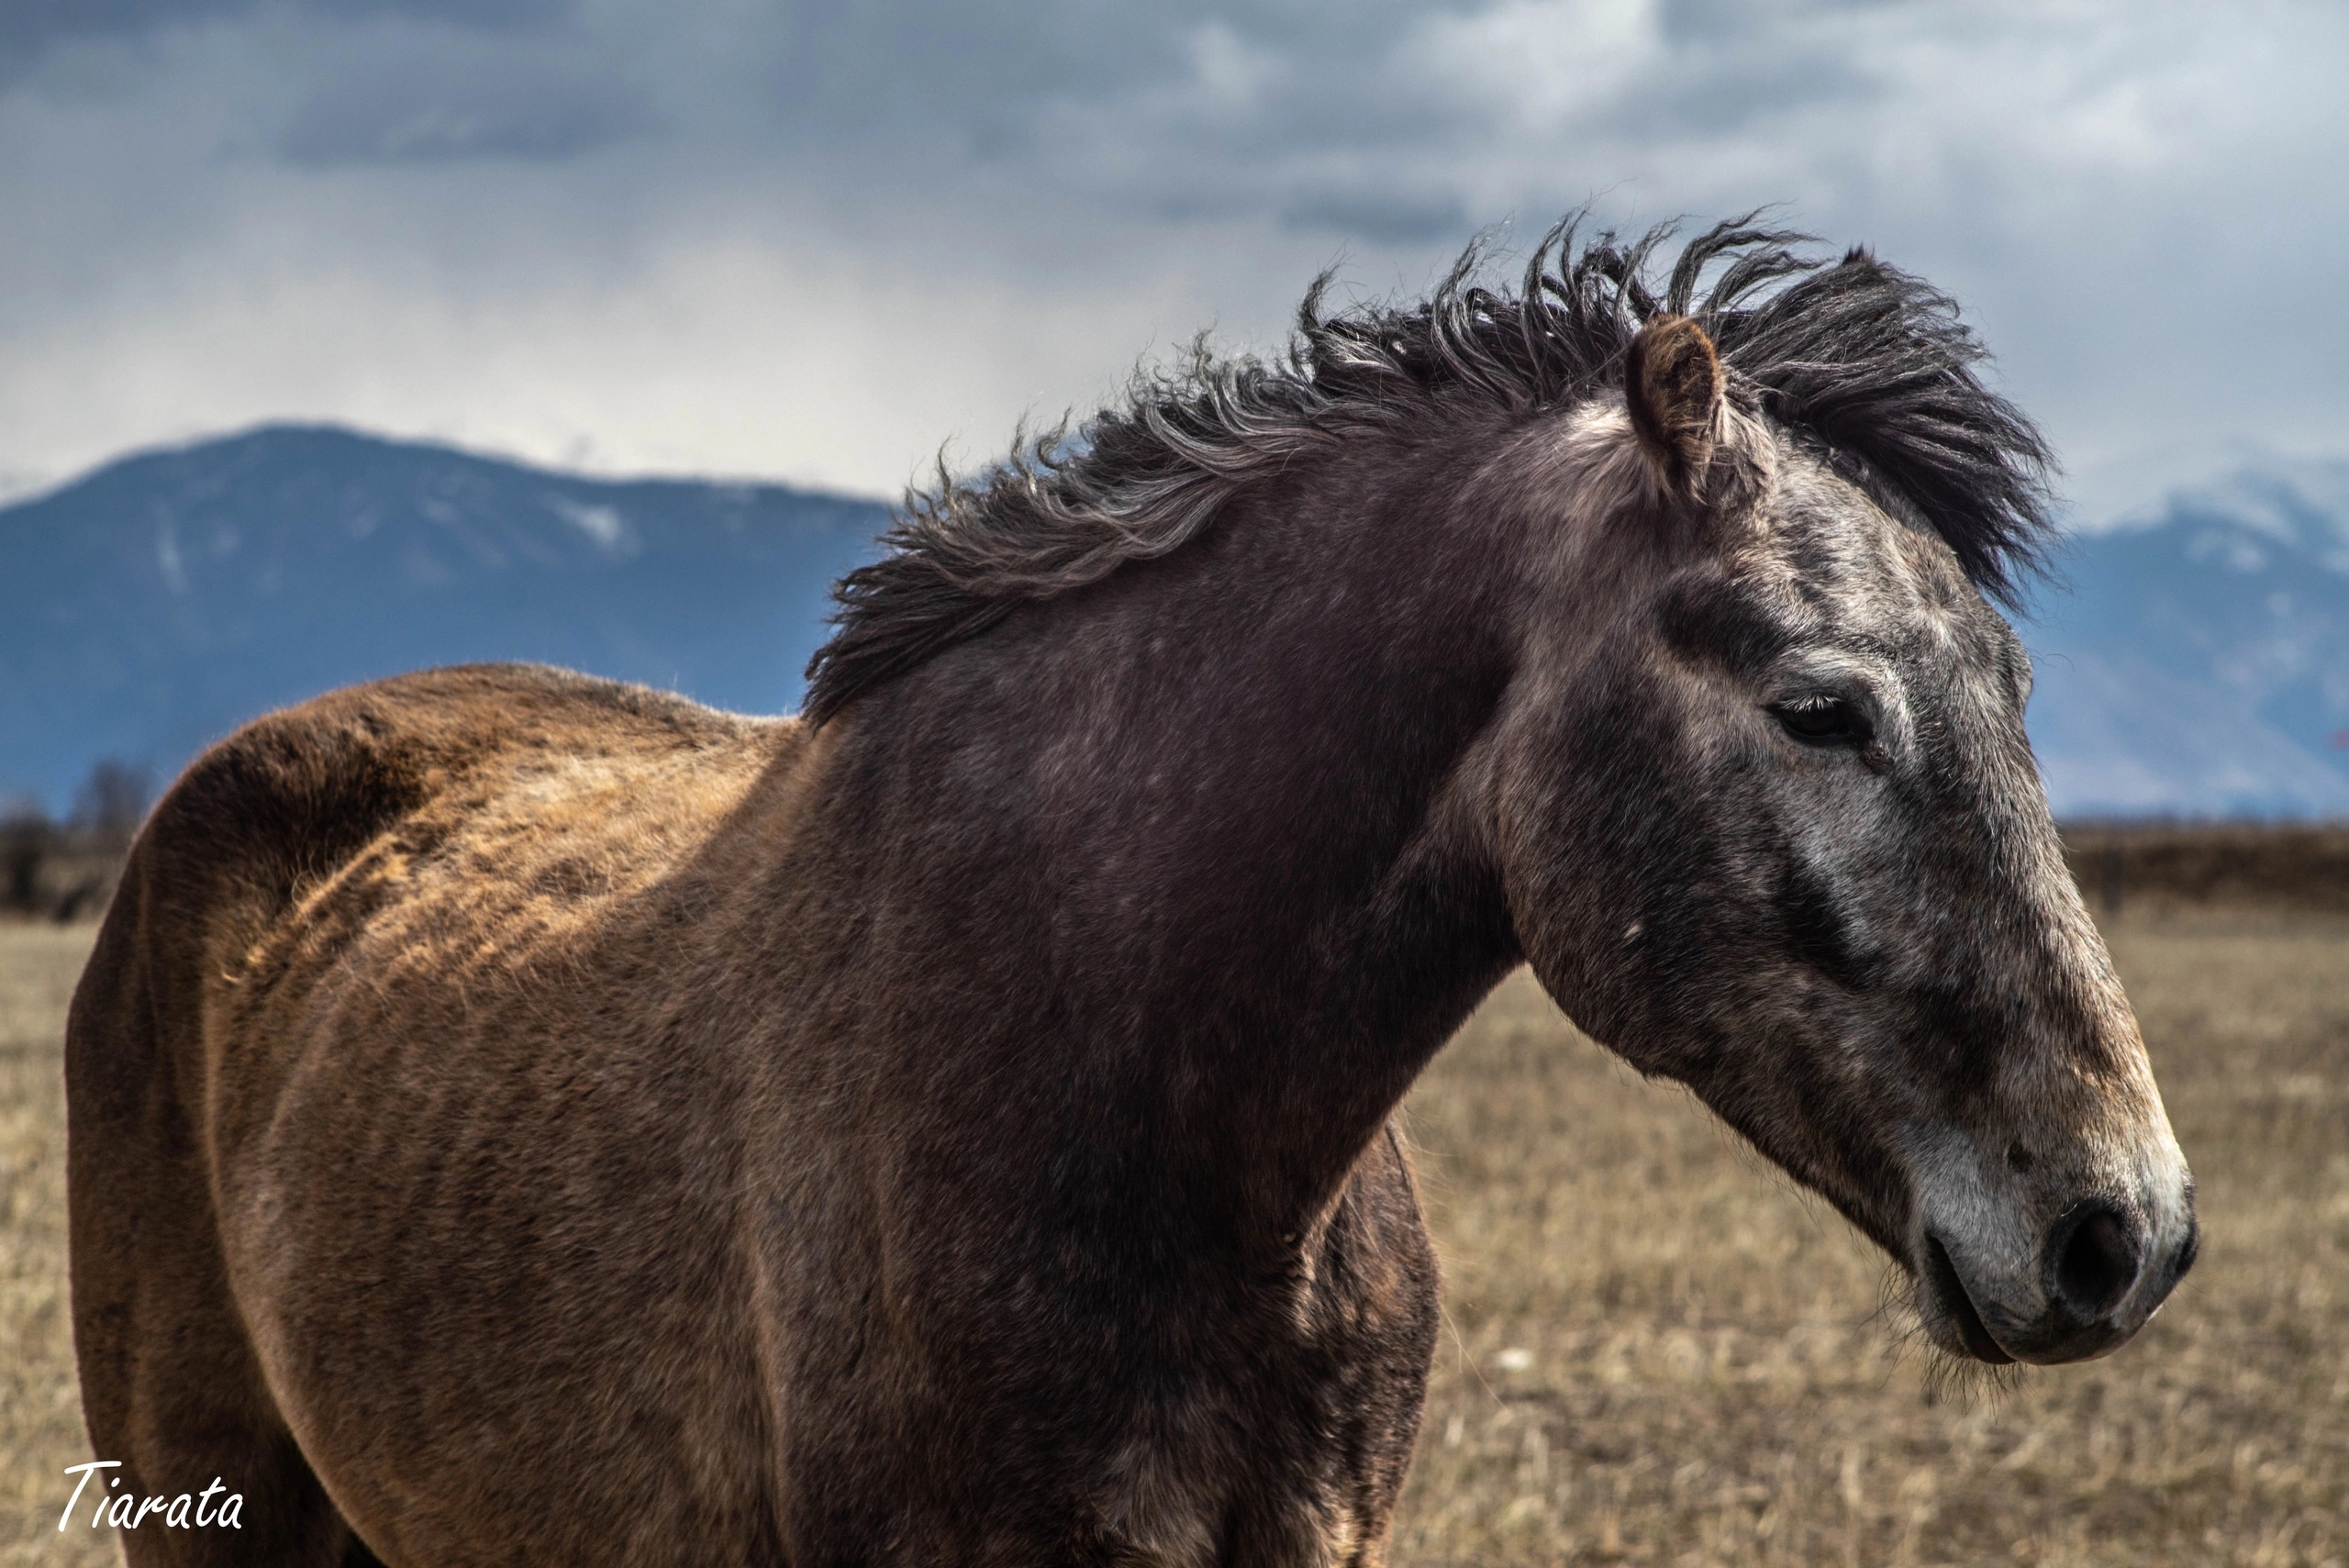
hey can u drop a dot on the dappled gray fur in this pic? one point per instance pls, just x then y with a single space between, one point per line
1865 364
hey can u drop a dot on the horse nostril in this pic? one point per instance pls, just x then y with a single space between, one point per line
2096 1264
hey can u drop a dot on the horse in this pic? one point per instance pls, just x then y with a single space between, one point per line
520 1119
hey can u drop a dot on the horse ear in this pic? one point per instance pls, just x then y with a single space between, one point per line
1672 383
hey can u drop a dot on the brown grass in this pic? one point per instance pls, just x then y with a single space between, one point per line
1665 1354
1659 1351
40 1413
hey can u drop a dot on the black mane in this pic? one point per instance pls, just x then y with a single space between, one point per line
1866 363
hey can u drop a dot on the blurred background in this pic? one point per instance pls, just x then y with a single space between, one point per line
342 337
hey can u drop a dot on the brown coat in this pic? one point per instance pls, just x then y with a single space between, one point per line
519 1118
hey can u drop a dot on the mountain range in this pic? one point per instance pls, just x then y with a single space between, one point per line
2193 661
2198 664
150 607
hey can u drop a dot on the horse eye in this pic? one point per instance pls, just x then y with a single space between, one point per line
1822 720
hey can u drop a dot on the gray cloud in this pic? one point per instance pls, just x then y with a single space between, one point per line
438 97
1388 216
31 29
820 239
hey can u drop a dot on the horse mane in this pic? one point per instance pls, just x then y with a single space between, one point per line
1866 364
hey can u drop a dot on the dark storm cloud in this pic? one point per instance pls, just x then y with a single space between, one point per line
1705 90
1128 101
842 66
1019 198
444 98
30 28
1390 217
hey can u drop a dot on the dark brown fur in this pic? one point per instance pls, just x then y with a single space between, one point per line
518 1119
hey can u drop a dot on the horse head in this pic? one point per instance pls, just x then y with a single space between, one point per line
1770 826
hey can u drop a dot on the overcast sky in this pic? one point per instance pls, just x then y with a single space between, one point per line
816 241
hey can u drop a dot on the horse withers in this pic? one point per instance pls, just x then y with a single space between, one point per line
519 1118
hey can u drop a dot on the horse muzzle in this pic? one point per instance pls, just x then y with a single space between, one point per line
2100 1272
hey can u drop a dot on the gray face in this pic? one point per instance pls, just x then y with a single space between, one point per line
1815 879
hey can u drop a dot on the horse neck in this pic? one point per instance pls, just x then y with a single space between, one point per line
1172 852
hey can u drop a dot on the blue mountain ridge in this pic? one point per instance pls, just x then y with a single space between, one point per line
150 606
2197 666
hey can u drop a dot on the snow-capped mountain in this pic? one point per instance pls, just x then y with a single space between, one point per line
2199 664
150 606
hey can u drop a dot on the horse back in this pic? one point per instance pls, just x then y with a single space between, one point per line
395 890
262 850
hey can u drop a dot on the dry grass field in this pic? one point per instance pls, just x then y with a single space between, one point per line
1659 1353
40 1413
1663 1354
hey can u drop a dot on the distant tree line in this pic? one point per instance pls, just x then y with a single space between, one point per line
2149 865
66 871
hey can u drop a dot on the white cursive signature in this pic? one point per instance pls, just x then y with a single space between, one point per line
129 1511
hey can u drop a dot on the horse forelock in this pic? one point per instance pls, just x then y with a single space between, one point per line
1864 365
